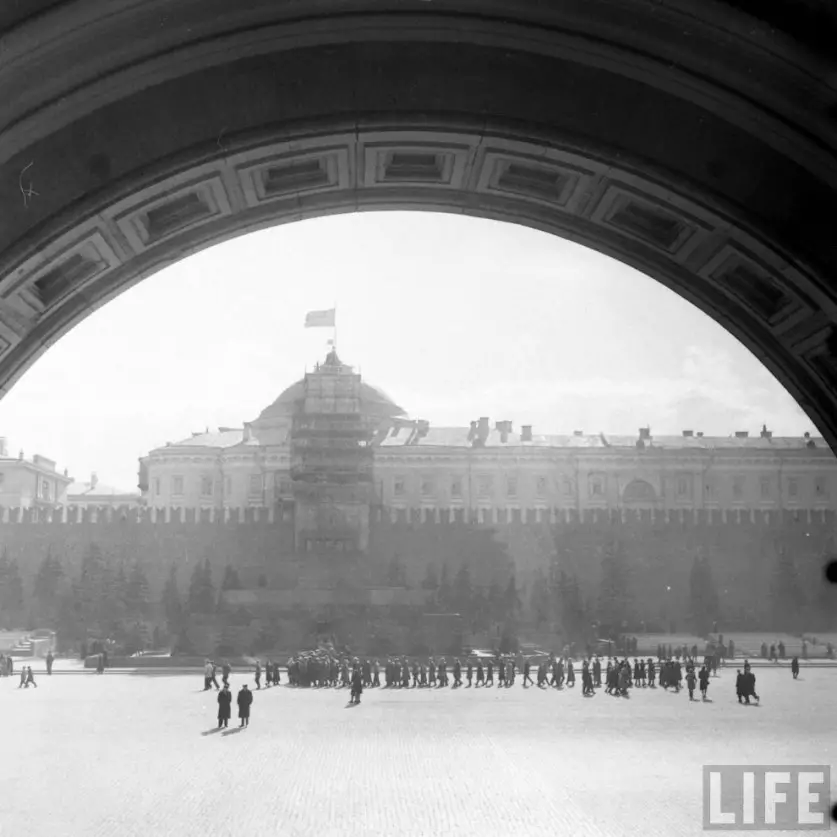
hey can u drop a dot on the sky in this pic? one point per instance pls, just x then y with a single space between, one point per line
453 317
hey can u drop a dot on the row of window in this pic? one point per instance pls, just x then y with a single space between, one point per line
211 486
485 486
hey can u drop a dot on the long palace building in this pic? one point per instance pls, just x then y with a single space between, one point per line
334 446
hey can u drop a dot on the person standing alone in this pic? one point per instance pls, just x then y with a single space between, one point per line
244 700
224 706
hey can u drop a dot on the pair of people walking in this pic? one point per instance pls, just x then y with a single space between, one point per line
244 700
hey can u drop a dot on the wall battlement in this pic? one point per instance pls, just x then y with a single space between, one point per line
74 516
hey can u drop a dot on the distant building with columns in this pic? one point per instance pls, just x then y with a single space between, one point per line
484 467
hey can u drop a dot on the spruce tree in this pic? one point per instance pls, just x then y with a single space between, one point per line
47 585
137 591
11 593
172 605
462 592
431 579
613 587
788 598
443 592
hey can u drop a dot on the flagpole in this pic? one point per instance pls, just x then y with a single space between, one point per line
334 331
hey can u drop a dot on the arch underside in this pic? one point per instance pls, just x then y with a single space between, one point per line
154 150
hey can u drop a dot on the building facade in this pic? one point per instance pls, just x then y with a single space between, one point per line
95 494
30 483
480 468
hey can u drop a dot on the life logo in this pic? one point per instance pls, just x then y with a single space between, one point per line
766 797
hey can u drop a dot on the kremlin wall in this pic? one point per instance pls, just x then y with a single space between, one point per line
334 498
658 549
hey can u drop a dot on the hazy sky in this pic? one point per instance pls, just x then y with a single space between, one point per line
453 317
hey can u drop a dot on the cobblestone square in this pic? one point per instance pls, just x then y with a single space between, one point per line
127 754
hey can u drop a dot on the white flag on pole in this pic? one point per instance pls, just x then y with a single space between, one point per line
320 319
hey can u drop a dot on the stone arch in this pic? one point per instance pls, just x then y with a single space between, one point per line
685 139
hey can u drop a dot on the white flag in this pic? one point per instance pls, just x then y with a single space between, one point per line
320 319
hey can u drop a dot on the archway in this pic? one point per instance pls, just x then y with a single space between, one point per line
685 139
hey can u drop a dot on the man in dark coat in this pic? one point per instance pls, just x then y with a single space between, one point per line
244 699
357 685
49 660
224 706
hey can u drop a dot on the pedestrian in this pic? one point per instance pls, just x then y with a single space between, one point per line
49 660
703 677
244 701
100 664
225 673
22 677
224 706
207 676
258 675
526 670
795 667
690 682
357 685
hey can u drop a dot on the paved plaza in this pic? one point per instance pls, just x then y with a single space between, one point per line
127 754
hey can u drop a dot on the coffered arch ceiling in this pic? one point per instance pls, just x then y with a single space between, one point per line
682 137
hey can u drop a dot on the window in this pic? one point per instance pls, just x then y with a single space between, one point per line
684 485
596 485
793 487
568 487
456 488
177 486
227 485
427 488
710 491
511 487
738 488
821 487
541 486
206 486
157 491
256 484
765 488
398 486
45 490
485 486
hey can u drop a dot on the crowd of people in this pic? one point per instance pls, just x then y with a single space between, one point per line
325 668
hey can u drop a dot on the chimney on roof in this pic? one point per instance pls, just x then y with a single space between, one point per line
742 434
20 455
483 429
765 433
578 432
94 480
645 433
687 434
66 473
247 432
422 427
700 434
504 427
472 433
526 433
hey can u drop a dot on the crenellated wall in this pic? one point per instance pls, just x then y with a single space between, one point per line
658 549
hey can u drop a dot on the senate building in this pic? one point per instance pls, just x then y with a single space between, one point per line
485 468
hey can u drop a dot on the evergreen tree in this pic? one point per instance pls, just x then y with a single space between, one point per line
431 579
443 592
573 613
207 590
11 592
396 576
172 605
613 588
787 595
703 597
47 586
137 591
511 598
539 599
462 592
